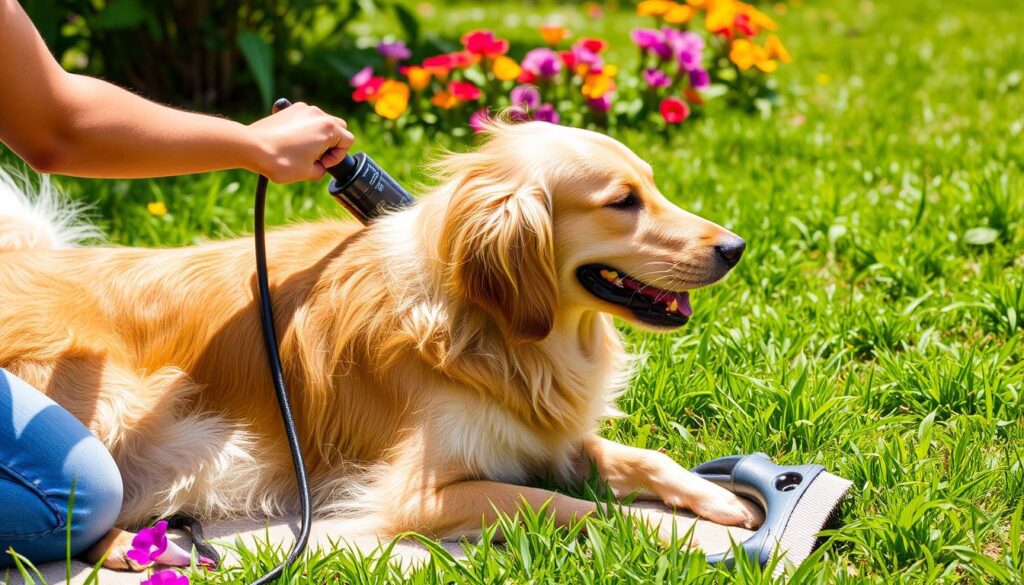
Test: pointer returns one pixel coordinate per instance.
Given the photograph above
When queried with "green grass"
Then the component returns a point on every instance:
(862, 331)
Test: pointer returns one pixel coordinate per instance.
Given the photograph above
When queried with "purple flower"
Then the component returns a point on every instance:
(699, 78)
(518, 114)
(166, 577)
(687, 47)
(656, 78)
(645, 38)
(525, 95)
(584, 56)
(396, 51)
(150, 545)
(546, 113)
(362, 77)
(601, 104)
(478, 120)
(542, 62)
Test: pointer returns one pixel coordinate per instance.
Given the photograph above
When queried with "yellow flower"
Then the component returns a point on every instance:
(757, 18)
(505, 68)
(597, 85)
(157, 208)
(610, 70)
(697, 3)
(777, 50)
(554, 34)
(742, 53)
(679, 14)
(391, 100)
(823, 79)
(445, 100)
(655, 7)
(419, 77)
(721, 15)
(746, 54)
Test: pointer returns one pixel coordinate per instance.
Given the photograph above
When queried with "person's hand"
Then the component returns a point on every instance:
(299, 143)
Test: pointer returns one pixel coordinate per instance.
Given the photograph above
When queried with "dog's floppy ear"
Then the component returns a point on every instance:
(497, 242)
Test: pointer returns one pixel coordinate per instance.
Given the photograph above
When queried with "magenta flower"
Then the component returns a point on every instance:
(525, 95)
(518, 114)
(478, 120)
(362, 77)
(602, 104)
(166, 577)
(645, 38)
(656, 78)
(151, 545)
(396, 51)
(546, 113)
(687, 47)
(543, 63)
(699, 78)
(584, 56)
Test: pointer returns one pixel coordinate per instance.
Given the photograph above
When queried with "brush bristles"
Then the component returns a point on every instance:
(817, 505)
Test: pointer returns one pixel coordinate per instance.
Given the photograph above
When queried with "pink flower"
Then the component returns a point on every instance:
(602, 104)
(652, 41)
(367, 90)
(546, 113)
(166, 577)
(364, 75)
(464, 91)
(542, 63)
(151, 545)
(484, 43)
(396, 51)
(525, 95)
(479, 119)
(582, 54)
(656, 78)
(674, 110)
(687, 47)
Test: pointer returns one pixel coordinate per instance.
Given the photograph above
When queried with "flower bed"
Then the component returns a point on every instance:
(697, 51)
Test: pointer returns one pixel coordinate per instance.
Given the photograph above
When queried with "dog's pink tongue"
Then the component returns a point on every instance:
(684, 304)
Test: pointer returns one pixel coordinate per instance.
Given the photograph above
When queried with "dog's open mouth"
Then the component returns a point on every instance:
(650, 304)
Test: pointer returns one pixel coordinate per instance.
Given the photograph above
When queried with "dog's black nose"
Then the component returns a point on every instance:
(731, 250)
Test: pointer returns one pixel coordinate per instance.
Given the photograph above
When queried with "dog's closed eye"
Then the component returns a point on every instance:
(629, 201)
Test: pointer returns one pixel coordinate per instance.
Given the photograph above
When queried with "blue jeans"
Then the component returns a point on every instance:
(43, 448)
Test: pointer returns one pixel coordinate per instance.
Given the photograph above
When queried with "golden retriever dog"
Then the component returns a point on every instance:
(439, 359)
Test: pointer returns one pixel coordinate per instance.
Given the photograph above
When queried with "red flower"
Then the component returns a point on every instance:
(593, 45)
(569, 58)
(743, 25)
(483, 42)
(464, 91)
(526, 77)
(674, 110)
(367, 90)
(439, 62)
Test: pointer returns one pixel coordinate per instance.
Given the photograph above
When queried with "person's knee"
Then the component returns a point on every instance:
(98, 493)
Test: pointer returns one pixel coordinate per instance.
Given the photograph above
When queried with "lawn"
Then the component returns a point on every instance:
(874, 325)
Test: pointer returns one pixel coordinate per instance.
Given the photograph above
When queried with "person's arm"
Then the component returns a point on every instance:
(70, 124)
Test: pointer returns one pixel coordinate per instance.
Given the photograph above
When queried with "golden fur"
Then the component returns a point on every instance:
(437, 359)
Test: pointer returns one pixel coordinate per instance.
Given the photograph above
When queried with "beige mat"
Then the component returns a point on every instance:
(713, 538)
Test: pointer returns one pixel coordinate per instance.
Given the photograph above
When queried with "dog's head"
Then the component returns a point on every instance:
(545, 219)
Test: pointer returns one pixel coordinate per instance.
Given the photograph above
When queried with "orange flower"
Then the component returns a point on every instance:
(554, 34)
(595, 86)
(445, 100)
(757, 18)
(391, 100)
(655, 7)
(679, 14)
(419, 77)
(697, 3)
(777, 50)
(505, 68)
(721, 15)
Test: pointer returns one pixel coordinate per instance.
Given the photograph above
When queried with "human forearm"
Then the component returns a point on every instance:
(105, 131)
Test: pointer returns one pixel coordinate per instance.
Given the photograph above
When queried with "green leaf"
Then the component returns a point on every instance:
(981, 236)
(410, 25)
(119, 14)
(259, 57)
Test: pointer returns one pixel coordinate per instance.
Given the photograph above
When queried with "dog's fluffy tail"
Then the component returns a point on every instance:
(38, 217)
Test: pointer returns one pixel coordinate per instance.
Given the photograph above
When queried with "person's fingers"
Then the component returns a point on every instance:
(332, 157)
(318, 171)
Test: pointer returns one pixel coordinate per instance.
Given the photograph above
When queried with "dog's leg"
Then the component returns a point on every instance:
(460, 509)
(656, 476)
(115, 545)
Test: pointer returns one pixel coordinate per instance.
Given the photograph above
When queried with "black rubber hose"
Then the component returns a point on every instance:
(274, 360)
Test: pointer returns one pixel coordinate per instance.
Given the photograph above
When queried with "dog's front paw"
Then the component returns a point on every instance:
(724, 507)
(115, 545)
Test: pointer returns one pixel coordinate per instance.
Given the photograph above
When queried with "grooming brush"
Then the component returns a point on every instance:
(798, 502)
